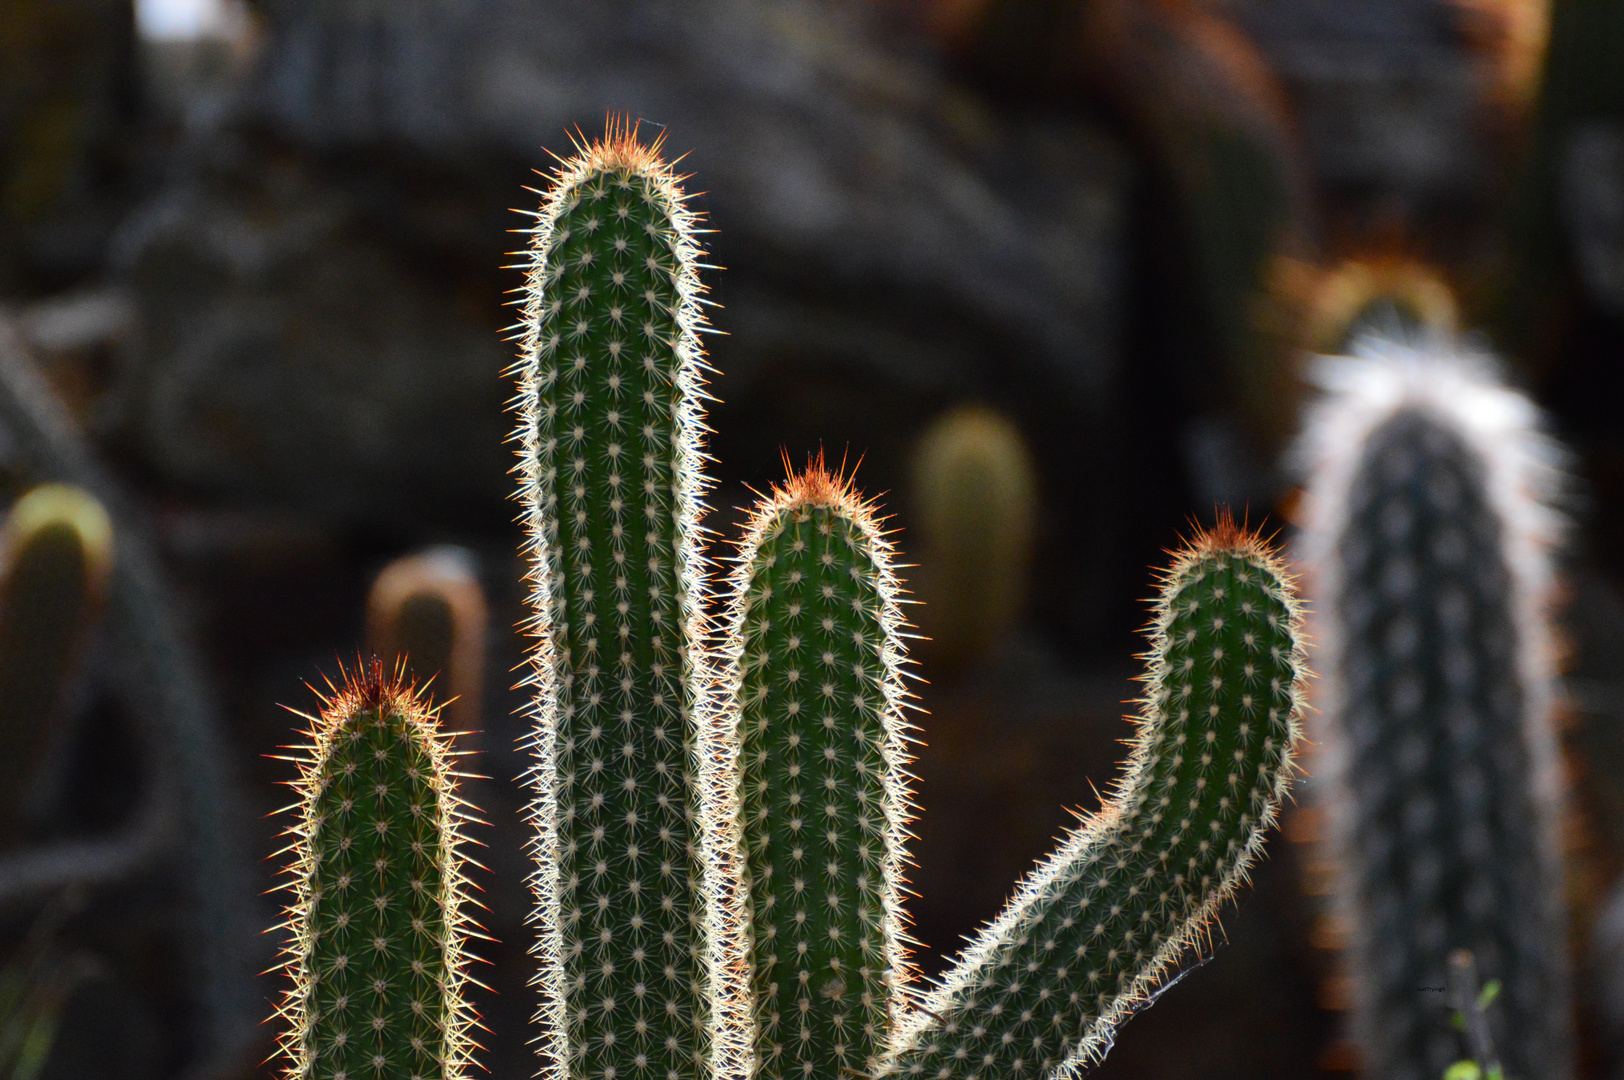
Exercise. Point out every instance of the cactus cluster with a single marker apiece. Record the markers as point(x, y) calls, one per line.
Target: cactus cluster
point(379, 918)
point(1428, 543)
point(720, 809)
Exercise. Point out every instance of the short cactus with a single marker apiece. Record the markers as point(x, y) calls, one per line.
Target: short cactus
point(1095, 928)
point(378, 924)
point(1428, 542)
point(814, 653)
point(55, 559)
point(609, 432)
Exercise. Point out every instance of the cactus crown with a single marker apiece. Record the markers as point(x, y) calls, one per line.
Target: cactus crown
point(815, 666)
point(378, 922)
point(637, 975)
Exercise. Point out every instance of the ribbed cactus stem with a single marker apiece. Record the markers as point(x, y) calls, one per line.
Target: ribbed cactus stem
point(1428, 540)
point(1096, 927)
point(610, 382)
point(378, 922)
point(56, 554)
point(816, 655)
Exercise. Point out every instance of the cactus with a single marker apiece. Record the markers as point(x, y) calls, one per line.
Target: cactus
point(428, 611)
point(1094, 929)
point(975, 499)
point(378, 925)
point(1428, 542)
point(55, 559)
point(609, 427)
point(814, 657)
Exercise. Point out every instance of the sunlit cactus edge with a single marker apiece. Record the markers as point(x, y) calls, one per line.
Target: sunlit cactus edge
point(380, 919)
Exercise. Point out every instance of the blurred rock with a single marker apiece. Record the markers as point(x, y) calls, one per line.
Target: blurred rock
point(68, 102)
point(318, 286)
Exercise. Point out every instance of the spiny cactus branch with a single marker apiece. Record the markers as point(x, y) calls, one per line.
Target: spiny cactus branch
point(814, 658)
point(379, 920)
point(639, 976)
point(1096, 927)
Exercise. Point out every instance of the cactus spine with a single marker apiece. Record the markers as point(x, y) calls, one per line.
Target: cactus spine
point(815, 657)
point(378, 925)
point(610, 431)
point(1428, 542)
point(1093, 930)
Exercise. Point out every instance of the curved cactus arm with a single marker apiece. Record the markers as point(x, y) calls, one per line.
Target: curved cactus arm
point(1094, 929)
point(814, 668)
point(378, 923)
point(637, 977)
point(1429, 537)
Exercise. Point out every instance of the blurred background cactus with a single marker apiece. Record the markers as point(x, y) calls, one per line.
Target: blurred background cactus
point(262, 284)
point(1429, 548)
point(428, 612)
point(974, 510)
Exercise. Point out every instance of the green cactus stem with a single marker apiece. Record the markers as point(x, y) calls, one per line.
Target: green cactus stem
point(428, 611)
point(1428, 540)
point(815, 657)
point(378, 923)
point(975, 504)
point(1094, 930)
point(56, 554)
point(610, 383)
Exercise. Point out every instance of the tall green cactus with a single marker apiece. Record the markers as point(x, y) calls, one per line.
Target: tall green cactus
point(1428, 542)
point(815, 664)
point(610, 433)
point(1095, 928)
point(378, 923)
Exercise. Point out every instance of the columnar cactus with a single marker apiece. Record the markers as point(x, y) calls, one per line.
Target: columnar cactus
point(378, 923)
point(1094, 929)
point(610, 431)
point(815, 662)
point(55, 558)
point(1428, 542)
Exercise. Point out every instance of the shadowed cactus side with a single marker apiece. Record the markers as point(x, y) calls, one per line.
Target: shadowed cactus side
point(1093, 931)
point(814, 661)
point(428, 611)
point(975, 503)
point(610, 383)
point(378, 922)
point(56, 554)
point(1428, 540)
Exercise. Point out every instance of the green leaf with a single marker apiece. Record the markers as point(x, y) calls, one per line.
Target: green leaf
point(1463, 1070)
point(1486, 996)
